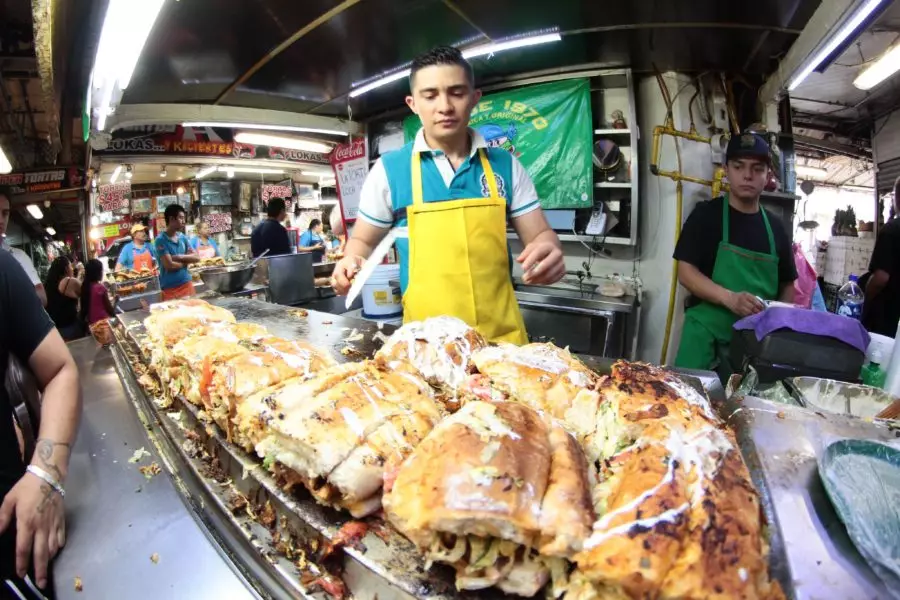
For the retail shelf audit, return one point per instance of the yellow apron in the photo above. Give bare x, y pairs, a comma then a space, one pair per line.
458, 261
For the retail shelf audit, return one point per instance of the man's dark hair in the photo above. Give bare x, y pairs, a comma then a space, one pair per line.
442, 55
172, 211
314, 223
275, 207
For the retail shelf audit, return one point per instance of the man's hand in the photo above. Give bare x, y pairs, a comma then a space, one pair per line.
743, 304
542, 263
344, 272
40, 524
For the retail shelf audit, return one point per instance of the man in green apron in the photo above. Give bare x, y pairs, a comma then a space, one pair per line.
731, 254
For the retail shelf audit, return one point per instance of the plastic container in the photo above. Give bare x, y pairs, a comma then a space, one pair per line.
381, 294
850, 299
872, 374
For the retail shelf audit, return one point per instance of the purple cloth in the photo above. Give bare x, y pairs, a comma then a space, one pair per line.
850, 331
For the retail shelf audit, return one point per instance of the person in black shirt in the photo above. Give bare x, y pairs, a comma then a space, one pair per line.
270, 234
731, 254
881, 311
32, 518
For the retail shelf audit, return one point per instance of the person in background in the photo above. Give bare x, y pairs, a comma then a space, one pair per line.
270, 234
63, 292
338, 229
19, 255
32, 515
137, 254
203, 245
175, 254
731, 254
95, 303
881, 311
311, 241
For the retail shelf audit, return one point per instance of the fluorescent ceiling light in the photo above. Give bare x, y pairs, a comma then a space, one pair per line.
808, 171
35, 211
883, 68
205, 171
473, 52
163, 172
261, 126
264, 139
235, 169
532, 40
50, 231
843, 33
115, 174
5, 165
126, 27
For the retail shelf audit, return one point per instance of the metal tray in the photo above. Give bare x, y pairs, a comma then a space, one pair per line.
386, 565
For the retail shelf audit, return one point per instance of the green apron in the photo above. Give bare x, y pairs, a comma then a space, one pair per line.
708, 327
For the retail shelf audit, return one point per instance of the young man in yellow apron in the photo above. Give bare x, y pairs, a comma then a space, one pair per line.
731, 254
455, 195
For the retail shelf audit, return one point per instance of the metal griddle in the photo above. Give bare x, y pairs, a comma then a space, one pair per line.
381, 568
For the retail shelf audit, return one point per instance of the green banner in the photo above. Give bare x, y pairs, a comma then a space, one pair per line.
548, 127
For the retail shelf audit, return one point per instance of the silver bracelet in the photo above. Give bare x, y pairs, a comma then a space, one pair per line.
47, 478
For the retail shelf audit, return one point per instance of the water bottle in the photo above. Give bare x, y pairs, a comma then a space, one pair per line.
850, 299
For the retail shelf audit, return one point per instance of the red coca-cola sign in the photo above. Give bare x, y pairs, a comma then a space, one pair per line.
353, 149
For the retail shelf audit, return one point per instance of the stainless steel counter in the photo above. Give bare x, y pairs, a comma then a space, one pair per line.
117, 519
821, 558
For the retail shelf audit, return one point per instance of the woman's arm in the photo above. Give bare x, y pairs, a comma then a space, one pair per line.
107, 303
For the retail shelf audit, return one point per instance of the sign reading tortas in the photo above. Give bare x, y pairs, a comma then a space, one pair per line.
44, 180
218, 222
114, 196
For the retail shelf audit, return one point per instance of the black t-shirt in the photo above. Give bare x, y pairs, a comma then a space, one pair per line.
272, 235
883, 311
23, 326
702, 233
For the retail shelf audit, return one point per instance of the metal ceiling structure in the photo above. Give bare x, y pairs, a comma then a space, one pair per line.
306, 57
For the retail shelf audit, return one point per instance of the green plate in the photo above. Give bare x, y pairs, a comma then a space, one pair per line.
862, 479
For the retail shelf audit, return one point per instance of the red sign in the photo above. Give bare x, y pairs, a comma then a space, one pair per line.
218, 222
45, 180
275, 191
114, 196
351, 166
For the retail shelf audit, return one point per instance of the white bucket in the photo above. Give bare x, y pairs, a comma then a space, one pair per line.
381, 301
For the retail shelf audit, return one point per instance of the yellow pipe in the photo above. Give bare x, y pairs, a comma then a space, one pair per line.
658, 132
679, 199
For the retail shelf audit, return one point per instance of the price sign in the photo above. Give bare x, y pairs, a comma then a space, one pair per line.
111, 230
218, 222
351, 165
114, 196
275, 191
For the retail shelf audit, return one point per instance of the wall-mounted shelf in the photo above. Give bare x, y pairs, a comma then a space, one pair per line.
612, 184
612, 132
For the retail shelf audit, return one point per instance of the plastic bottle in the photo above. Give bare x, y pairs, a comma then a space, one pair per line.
872, 374
850, 299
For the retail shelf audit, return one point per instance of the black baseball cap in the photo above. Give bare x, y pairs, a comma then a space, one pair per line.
747, 145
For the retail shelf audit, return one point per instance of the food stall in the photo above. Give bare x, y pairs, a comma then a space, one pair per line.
251, 537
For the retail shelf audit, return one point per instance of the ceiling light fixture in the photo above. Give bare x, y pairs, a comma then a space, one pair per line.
473, 52
531, 40
233, 169
849, 26
5, 165
263, 126
204, 172
230, 173
115, 174
264, 139
163, 172
884, 67
94, 234
808, 171
129, 172
35, 211
126, 27
179, 190
50, 231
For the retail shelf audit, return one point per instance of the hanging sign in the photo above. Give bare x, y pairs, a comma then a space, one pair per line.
44, 180
218, 222
114, 196
548, 128
351, 165
270, 190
